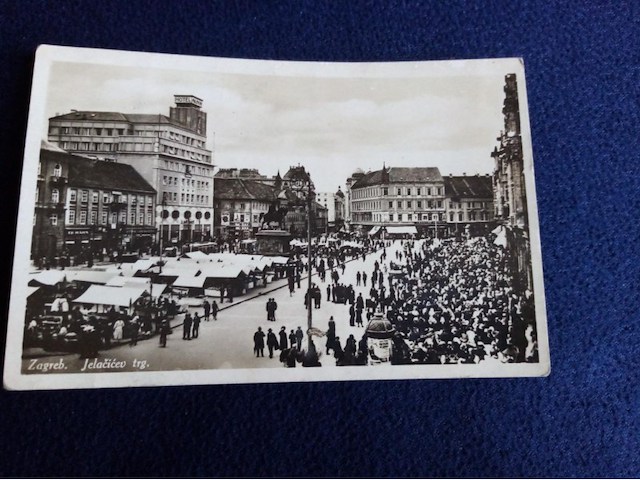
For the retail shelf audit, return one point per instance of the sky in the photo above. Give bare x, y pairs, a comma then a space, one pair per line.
329, 124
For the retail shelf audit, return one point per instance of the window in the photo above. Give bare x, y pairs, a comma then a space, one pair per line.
408, 191
57, 170
55, 195
460, 216
241, 206
385, 191
114, 217
140, 218
390, 204
105, 198
132, 218
419, 204
53, 219
409, 204
399, 191
94, 217
72, 217
103, 219
83, 217
109, 131
149, 218
98, 131
418, 191
427, 191
451, 217
164, 180
439, 203
94, 197
85, 195
434, 217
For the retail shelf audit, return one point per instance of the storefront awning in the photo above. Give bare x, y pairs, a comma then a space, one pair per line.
374, 230
117, 296
408, 230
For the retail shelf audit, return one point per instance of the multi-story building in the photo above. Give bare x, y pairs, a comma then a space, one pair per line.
508, 179
334, 204
399, 196
510, 199
355, 176
169, 152
109, 207
469, 204
239, 204
51, 192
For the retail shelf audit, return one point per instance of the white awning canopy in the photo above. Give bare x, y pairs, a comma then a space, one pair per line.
188, 281
408, 230
117, 296
90, 276
129, 282
47, 277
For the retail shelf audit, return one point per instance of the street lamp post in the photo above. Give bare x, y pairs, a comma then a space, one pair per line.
304, 185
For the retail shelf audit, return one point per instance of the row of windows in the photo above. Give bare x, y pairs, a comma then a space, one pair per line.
185, 153
186, 182
399, 191
107, 197
399, 204
89, 146
181, 167
454, 205
134, 218
191, 198
99, 131
244, 205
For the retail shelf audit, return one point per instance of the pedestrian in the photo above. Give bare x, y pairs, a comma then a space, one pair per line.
364, 278
186, 327
331, 334
164, 331
272, 342
118, 328
214, 310
207, 310
317, 296
230, 294
135, 329
292, 339
222, 289
269, 310
291, 285
328, 292
258, 343
298, 277
359, 317
196, 326
343, 266
358, 279
352, 316
283, 339
360, 302
299, 336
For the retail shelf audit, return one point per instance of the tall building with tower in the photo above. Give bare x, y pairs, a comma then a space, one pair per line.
169, 152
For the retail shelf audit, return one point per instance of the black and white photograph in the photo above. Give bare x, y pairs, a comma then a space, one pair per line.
193, 220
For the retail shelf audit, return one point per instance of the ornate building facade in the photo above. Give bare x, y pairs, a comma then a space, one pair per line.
169, 152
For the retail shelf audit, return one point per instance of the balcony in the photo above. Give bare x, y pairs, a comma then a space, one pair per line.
58, 179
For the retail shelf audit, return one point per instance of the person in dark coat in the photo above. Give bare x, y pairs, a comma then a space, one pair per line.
364, 278
352, 316
331, 334
283, 339
292, 286
207, 310
299, 336
222, 290
338, 353
360, 302
214, 310
258, 343
317, 296
358, 278
359, 318
195, 329
230, 294
164, 331
272, 342
270, 311
328, 292
292, 339
350, 346
186, 327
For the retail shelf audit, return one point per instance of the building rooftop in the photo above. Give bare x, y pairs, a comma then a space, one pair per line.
243, 189
399, 175
476, 186
131, 118
90, 173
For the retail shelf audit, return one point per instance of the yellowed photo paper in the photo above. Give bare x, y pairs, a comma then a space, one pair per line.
192, 220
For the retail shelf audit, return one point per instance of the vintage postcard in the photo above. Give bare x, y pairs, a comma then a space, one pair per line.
191, 220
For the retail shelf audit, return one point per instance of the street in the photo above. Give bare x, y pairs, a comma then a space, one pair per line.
228, 342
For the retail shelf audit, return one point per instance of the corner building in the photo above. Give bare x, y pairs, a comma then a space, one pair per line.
169, 152
398, 197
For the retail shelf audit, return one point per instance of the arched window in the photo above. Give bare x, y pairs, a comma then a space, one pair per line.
55, 195
57, 170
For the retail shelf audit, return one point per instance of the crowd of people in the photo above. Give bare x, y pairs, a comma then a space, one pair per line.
454, 301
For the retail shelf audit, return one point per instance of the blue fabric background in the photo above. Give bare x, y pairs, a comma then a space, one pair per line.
582, 74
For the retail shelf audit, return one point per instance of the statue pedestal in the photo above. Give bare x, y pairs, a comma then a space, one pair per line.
273, 242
